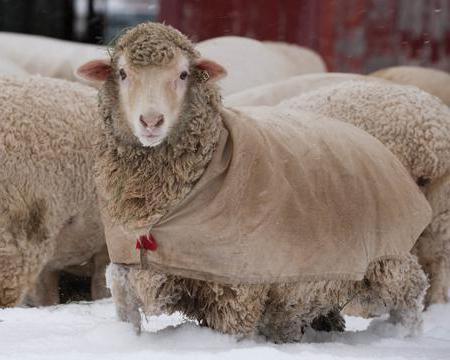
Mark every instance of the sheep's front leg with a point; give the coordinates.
(98, 283)
(127, 304)
(396, 287)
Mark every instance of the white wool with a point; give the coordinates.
(433, 81)
(273, 93)
(249, 62)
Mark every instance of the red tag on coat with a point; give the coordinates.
(147, 242)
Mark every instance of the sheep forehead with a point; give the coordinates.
(154, 44)
(179, 62)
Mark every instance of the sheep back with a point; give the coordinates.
(413, 124)
(433, 81)
(283, 197)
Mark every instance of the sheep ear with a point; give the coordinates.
(95, 70)
(214, 70)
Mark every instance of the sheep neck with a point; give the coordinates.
(143, 184)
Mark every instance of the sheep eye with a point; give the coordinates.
(122, 74)
(184, 75)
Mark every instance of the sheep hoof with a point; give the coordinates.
(333, 321)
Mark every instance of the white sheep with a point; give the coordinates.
(49, 216)
(7, 67)
(249, 61)
(273, 93)
(433, 81)
(248, 226)
(415, 126)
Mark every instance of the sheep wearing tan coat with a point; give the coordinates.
(49, 217)
(415, 126)
(148, 162)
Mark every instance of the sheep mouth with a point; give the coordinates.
(151, 139)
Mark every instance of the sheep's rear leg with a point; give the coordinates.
(433, 251)
(396, 287)
(293, 307)
(232, 310)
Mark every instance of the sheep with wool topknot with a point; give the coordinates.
(201, 218)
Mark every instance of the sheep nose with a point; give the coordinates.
(152, 121)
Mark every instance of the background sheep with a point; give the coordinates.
(141, 180)
(415, 126)
(49, 217)
(432, 81)
(435, 82)
(273, 93)
(7, 67)
(249, 61)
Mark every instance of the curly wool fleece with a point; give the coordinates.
(156, 47)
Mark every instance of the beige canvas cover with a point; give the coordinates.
(290, 196)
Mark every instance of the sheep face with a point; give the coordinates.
(147, 80)
(151, 97)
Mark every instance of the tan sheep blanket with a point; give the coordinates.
(292, 196)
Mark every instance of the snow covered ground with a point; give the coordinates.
(91, 331)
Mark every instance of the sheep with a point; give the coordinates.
(433, 81)
(432, 258)
(7, 67)
(38, 55)
(415, 126)
(273, 93)
(165, 143)
(251, 62)
(49, 216)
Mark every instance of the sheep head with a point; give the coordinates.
(147, 81)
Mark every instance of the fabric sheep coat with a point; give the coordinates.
(282, 198)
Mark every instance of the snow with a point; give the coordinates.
(91, 331)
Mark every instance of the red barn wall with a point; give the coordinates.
(351, 35)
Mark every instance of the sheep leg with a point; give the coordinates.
(433, 252)
(127, 304)
(396, 287)
(232, 310)
(293, 307)
(45, 291)
(98, 282)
